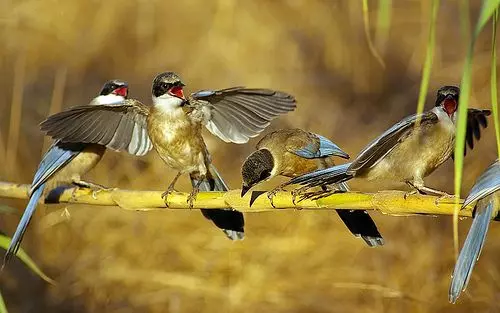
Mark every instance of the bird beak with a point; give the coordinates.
(244, 190)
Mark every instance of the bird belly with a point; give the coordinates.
(418, 155)
(79, 166)
(293, 165)
(179, 143)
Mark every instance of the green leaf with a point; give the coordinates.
(23, 256)
(429, 56)
(366, 21)
(493, 84)
(487, 9)
(3, 307)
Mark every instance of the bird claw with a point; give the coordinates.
(410, 193)
(192, 197)
(271, 194)
(98, 189)
(442, 197)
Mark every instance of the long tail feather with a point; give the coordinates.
(332, 175)
(231, 222)
(360, 223)
(15, 243)
(471, 250)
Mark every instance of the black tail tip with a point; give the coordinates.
(234, 235)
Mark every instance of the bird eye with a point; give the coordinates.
(165, 85)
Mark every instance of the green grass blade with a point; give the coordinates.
(384, 12)
(3, 307)
(23, 256)
(487, 10)
(493, 85)
(429, 57)
(372, 48)
(465, 20)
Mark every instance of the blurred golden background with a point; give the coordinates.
(57, 54)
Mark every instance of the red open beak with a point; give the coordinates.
(450, 106)
(177, 92)
(122, 91)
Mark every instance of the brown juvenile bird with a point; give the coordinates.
(172, 125)
(294, 152)
(406, 152)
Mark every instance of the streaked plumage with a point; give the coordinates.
(407, 152)
(293, 152)
(486, 194)
(65, 163)
(173, 125)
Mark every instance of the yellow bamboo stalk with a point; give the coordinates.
(387, 202)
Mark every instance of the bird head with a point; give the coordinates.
(167, 90)
(113, 91)
(257, 167)
(447, 99)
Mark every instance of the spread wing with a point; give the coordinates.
(486, 184)
(384, 144)
(118, 126)
(475, 120)
(312, 146)
(238, 114)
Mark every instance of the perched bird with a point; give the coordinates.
(406, 152)
(172, 125)
(66, 163)
(293, 152)
(485, 194)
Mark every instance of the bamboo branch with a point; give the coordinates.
(387, 202)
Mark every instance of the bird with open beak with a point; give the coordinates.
(485, 193)
(65, 163)
(173, 125)
(408, 151)
(294, 152)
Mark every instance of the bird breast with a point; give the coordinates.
(177, 139)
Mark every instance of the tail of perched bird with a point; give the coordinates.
(471, 249)
(230, 221)
(332, 175)
(485, 192)
(55, 158)
(360, 224)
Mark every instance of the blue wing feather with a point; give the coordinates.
(56, 157)
(326, 148)
(486, 184)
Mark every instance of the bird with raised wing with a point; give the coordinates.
(485, 193)
(294, 152)
(173, 125)
(408, 151)
(65, 163)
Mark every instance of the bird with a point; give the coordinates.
(408, 151)
(173, 125)
(293, 152)
(485, 193)
(65, 163)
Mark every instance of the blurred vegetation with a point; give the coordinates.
(57, 54)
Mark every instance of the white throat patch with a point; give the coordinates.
(167, 103)
(107, 99)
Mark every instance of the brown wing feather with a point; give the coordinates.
(238, 114)
(118, 127)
